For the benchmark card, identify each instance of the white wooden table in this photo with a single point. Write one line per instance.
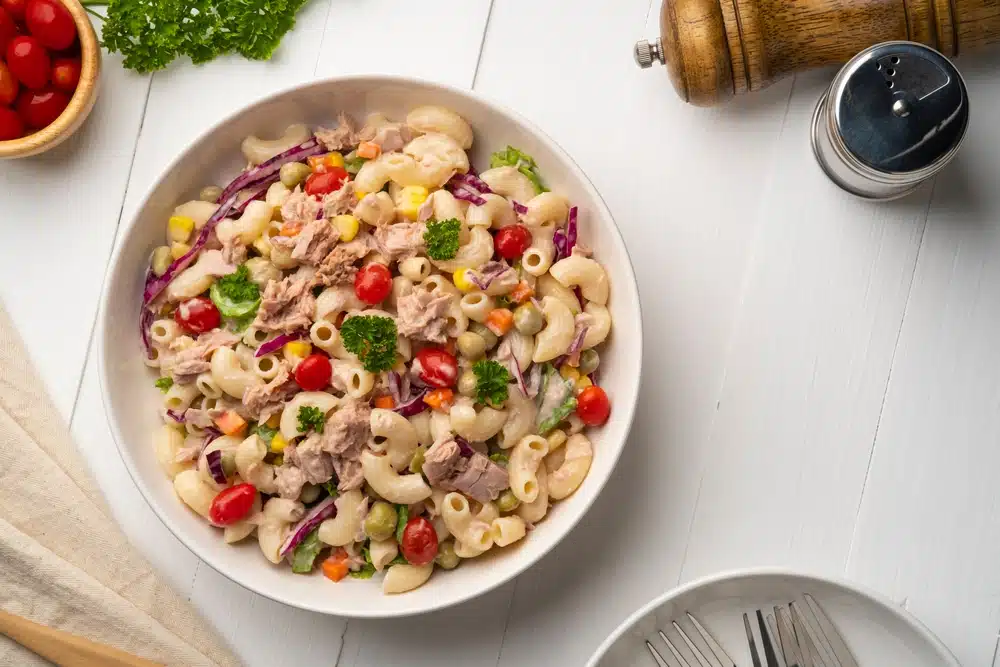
(822, 386)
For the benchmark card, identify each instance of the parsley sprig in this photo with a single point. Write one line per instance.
(511, 157)
(373, 339)
(491, 382)
(441, 238)
(311, 418)
(164, 384)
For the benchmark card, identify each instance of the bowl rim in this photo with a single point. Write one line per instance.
(80, 104)
(857, 589)
(628, 278)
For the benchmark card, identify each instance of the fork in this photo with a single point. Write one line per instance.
(703, 648)
(798, 635)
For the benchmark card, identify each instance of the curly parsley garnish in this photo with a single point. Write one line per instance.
(164, 384)
(511, 157)
(236, 295)
(373, 339)
(441, 238)
(491, 382)
(311, 418)
(265, 433)
(150, 34)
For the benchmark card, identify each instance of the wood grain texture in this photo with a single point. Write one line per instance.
(65, 649)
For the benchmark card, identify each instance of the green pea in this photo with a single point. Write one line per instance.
(447, 558)
(210, 193)
(380, 524)
(229, 463)
(293, 173)
(589, 361)
(310, 492)
(507, 502)
(471, 345)
(417, 462)
(370, 492)
(488, 336)
(467, 383)
(528, 319)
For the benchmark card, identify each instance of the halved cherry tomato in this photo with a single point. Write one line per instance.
(8, 86)
(232, 504)
(66, 73)
(323, 183)
(39, 108)
(16, 8)
(420, 541)
(11, 125)
(313, 372)
(51, 23)
(593, 406)
(8, 30)
(29, 61)
(438, 367)
(373, 283)
(511, 241)
(197, 315)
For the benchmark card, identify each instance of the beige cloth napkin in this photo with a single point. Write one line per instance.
(63, 561)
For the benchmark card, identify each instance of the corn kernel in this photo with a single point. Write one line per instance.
(569, 373)
(161, 260)
(179, 227)
(583, 383)
(359, 194)
(348, 226)
(334, 159)
(461, 280)
(263, 246)
(278, 443)
(298, 348)
(178, 250)
(274, 421)
(410, 199)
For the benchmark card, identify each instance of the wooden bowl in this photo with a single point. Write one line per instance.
(80, 104)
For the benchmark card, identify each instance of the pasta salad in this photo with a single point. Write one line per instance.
(374, 360)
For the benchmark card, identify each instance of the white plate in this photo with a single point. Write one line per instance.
(878, 633)
(132, 402)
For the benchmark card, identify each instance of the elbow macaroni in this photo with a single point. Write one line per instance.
(229, 374)
(523, 468)
(555, 338)
(396, 488)
(289, 421)
(476, 426)
(345, 526)
(575, 466)
(398, 437)
(585, 273)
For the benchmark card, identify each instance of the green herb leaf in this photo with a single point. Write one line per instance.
(236, 295)
(403, 515)
(558, 400)
(366, 572)
(304, 555)
(331, 489)
(373, 339)
(265, 433)
(441, 238)
(399, 560)
(164, 384)
(311, 418)
(150, 34)
(511, 157)
(353, 163)
(491, 382)
(499, 459)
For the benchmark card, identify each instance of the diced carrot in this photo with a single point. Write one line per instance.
(439, 399)
(230, 423)
(499, 321)
(522, 292)
(369, 150)
(291, 228)
(335, 567)
(385, 402)
(316, 162)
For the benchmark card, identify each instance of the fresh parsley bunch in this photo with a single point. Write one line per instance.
(491, 382)
(373, 339)
(150, 34)
(441, 238)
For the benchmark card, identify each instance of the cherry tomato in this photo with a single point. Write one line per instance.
(511, 242)
(592, 406)
(313, 372)
(8, 30)
(197, 315)
(438, 367)
(39, 108)
(66, 74)
(323, 183)
(11, 125)
(51, 23)
(373, 283)
(29, 61)
(8, 86)
(232, 504)
(16, 8)
(420, 541)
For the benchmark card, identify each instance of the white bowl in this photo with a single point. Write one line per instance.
(132, 401)
(876, 631)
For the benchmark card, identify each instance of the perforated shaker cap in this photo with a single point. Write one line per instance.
(900, 107)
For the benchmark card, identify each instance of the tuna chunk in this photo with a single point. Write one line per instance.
(234, 252)
(423, 315)
(187, 363)
(300, 208)
(401, 240)
(339, 202)
(389, 136)
(312, 244)
(343, 137)
(476, 477)
(262, 400)
(286, 306)
(337, 268)
(289, 478)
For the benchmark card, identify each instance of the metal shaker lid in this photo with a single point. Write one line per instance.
(900, 107)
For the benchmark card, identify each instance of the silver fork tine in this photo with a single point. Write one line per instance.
(765, 639)
(695, 651)
(833, 638)
(753, 644)
(656, 655)
(713, 645)
(772, 628)
(794, 655)
(673, 649)
(810, 654)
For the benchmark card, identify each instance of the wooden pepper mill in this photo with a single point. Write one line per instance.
(714, 49)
